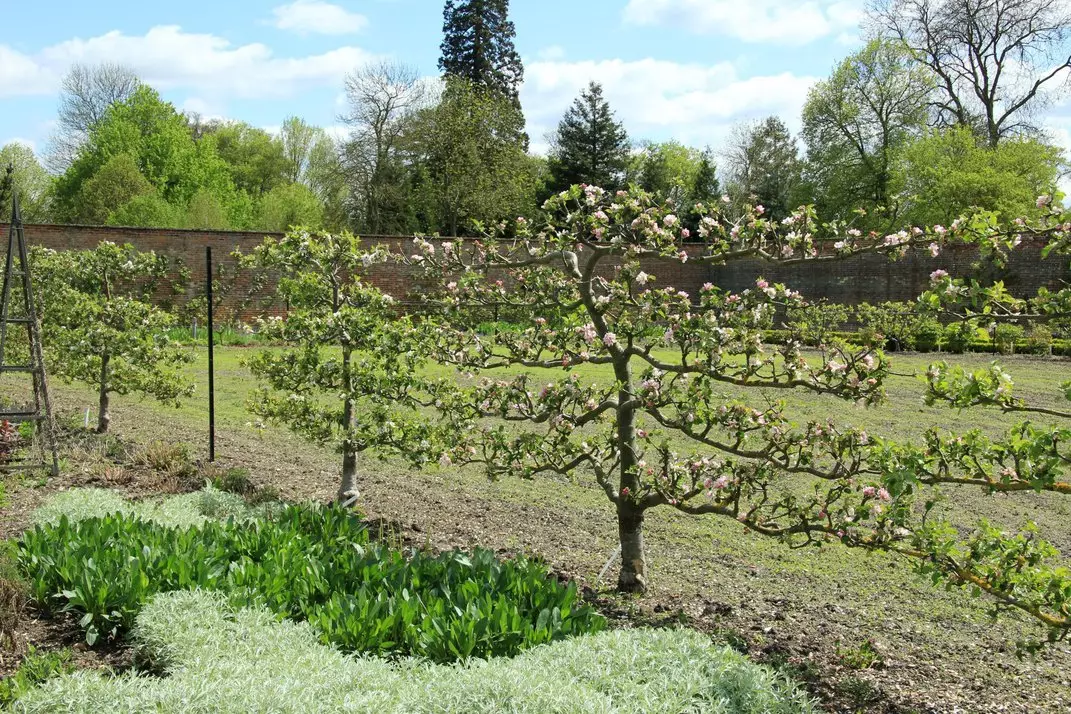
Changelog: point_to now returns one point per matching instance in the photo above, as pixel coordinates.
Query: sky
(683, 69)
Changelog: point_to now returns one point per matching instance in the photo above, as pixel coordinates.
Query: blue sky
(687, 69)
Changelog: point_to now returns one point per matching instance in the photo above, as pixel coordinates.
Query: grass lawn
(807, 609)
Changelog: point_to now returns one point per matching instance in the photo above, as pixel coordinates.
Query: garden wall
(867, 278)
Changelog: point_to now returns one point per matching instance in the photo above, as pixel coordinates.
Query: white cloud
(318, 17)
(783, 21)
(554, 52)
(657, 99)
(167, 57)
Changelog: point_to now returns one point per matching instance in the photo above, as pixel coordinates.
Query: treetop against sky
(686, 69)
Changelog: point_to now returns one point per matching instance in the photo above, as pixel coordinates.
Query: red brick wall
(870, 278)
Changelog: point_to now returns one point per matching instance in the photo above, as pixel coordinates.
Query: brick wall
(869, 278)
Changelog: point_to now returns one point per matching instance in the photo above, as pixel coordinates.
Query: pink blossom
(707, 287)
(685, 233)
(670, 220)
(761, 284)
(725, 198)
(1043, 200)
(787, 251)
(721, 483)
(870, 491)
(760, 209)
(683, 256)
(541, 321)
(938, 275)
(641, 434)
(935, 250)
(625, 491)
(452, 287)
(884, 494)
(868, 362)
(609, 339)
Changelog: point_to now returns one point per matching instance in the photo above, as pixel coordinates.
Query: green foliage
(206, 211)
(863, 656)
(98, 329)
(240, 660)
(33, 182)
(360, 596)
(289, 205)
(678, 172)
(901, 325)
(1005, 336)
(116, 183)
(158, 139)
(590, 146)
(1039, 340)
(187, 510)
(947, 172)
(147, 211)
(856, 123)
(254, 158)
(478, 46)
(815, 323)
(469, 159)
(765, 168)
(36, 668)
(354, 399)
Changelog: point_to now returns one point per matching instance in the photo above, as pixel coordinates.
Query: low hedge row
(307, 563)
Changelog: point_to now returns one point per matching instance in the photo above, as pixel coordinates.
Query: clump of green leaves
(307, 563)
(36, 667)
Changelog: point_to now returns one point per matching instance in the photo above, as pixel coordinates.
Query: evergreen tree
(590, 146)
(705, 186)
(478, 46)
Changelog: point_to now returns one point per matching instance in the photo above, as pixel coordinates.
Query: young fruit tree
(657, 431)
(349, 380)
(100, 328)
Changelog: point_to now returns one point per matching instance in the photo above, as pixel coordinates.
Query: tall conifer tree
(478, 46)
(591, 146)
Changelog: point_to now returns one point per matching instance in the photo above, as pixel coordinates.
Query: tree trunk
(104, 415)
(347, 489)
(633, 575)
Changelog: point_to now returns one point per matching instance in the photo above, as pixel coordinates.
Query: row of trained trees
(937, 113)
(650, 426)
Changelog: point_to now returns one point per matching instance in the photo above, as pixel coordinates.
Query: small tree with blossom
(347, 380)
(659, 435)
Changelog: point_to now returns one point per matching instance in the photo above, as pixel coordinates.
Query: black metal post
(211, 359)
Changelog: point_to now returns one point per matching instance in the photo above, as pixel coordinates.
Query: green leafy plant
(249, 659)
(1005, 336)
(36, 667)
(863, 656)
(311, 564)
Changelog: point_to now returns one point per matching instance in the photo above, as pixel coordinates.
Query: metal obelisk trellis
(23, 314)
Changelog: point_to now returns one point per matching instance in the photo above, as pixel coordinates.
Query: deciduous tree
(348, 380)
(996, 61)
(856, 123)
(100, 329)
(655, 432)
